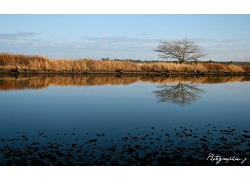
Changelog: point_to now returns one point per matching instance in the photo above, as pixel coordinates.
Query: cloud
(237, 40)
(18, 36)
(120, 47)
(120, 40)
(204, 40)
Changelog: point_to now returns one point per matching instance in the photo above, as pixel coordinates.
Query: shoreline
(120, 72)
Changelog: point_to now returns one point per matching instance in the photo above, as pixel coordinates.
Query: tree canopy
(181, 50)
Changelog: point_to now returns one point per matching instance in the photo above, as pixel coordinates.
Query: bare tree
(181, 50)
(181, 94)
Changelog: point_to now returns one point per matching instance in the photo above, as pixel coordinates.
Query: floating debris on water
(181, 146)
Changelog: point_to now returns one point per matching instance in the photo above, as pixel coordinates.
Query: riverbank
(24, 64)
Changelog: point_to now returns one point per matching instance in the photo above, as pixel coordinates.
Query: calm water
(108, 120)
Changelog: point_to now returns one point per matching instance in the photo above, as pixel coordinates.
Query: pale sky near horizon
(224, 37)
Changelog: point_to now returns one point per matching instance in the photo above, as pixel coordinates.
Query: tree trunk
(181, 61)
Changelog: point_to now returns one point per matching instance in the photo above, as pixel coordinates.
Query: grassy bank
(18, 63)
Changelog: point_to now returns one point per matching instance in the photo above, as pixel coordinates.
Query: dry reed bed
(24, 63)
(39, 82)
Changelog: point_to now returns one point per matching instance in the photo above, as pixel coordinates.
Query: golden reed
(35, 63)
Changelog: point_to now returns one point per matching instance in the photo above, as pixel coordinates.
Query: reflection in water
(181, 93)
(90, 128)
(43, 81)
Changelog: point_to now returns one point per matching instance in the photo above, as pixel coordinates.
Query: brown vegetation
(42, 81)
(11, 63)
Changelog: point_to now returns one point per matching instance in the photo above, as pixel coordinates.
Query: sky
(223, 37)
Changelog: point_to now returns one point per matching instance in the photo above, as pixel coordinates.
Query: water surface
(109, 120)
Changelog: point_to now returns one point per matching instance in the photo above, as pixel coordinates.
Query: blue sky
(121, 36)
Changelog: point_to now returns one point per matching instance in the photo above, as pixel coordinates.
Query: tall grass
(43, 64)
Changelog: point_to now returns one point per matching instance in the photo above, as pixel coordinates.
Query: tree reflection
(181, 93)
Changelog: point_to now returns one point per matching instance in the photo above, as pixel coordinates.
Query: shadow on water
(181, 93)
